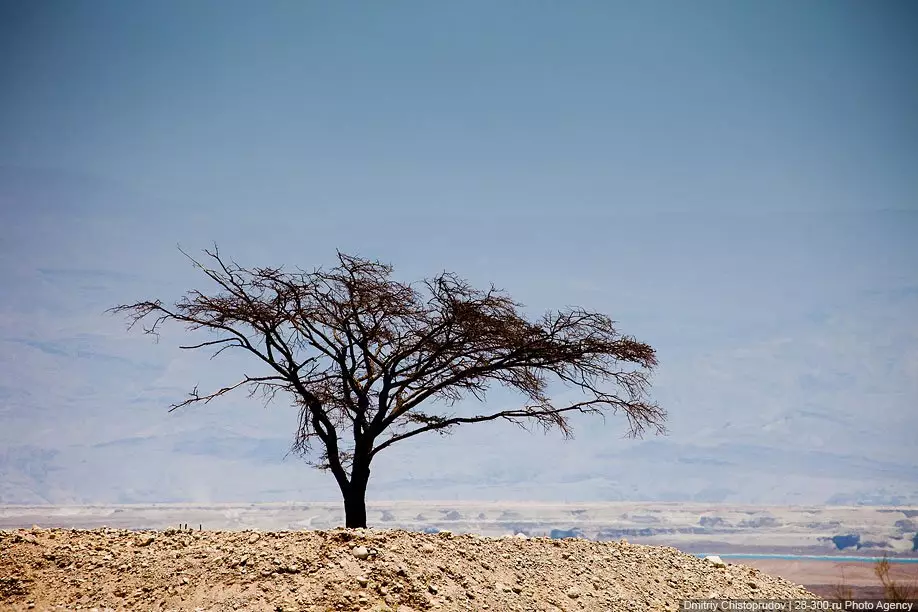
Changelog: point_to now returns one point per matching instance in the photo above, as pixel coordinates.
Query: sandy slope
(357, 570)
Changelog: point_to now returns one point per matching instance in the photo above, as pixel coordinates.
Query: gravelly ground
(355, 570)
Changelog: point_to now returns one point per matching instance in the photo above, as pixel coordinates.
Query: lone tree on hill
(361, 354)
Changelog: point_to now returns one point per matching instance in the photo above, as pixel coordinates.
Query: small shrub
(843, 590)
(894, 591)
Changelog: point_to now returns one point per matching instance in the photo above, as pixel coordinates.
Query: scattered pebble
(360, 552)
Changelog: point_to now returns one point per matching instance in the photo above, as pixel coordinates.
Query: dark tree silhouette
(361, 354)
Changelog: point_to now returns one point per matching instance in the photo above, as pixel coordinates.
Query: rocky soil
(355, 570)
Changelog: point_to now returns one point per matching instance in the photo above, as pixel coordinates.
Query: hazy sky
(735, 182)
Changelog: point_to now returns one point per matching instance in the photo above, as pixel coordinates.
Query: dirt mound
(355, 570)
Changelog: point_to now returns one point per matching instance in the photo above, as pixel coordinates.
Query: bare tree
(361, 355)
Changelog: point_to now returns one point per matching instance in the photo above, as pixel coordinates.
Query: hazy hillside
(790, 374)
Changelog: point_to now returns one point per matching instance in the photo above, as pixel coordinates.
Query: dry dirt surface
(825, 578)
(355, 570)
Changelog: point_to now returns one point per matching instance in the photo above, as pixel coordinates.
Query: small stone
(573, 592)
(427, 548)
(362, 581)
(500, 586)
(432, 588)
(145, 540)
(360, 552)
(254, 538)
(244, 560)
(516, 589)
(521, 536)
(752, 585)
(715, 561)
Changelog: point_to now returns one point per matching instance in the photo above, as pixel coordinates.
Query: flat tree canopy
(362, 355)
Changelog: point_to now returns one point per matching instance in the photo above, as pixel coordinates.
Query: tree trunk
(355, 499)
(355, 509)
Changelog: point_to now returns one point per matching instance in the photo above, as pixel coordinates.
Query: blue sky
(735, 182)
